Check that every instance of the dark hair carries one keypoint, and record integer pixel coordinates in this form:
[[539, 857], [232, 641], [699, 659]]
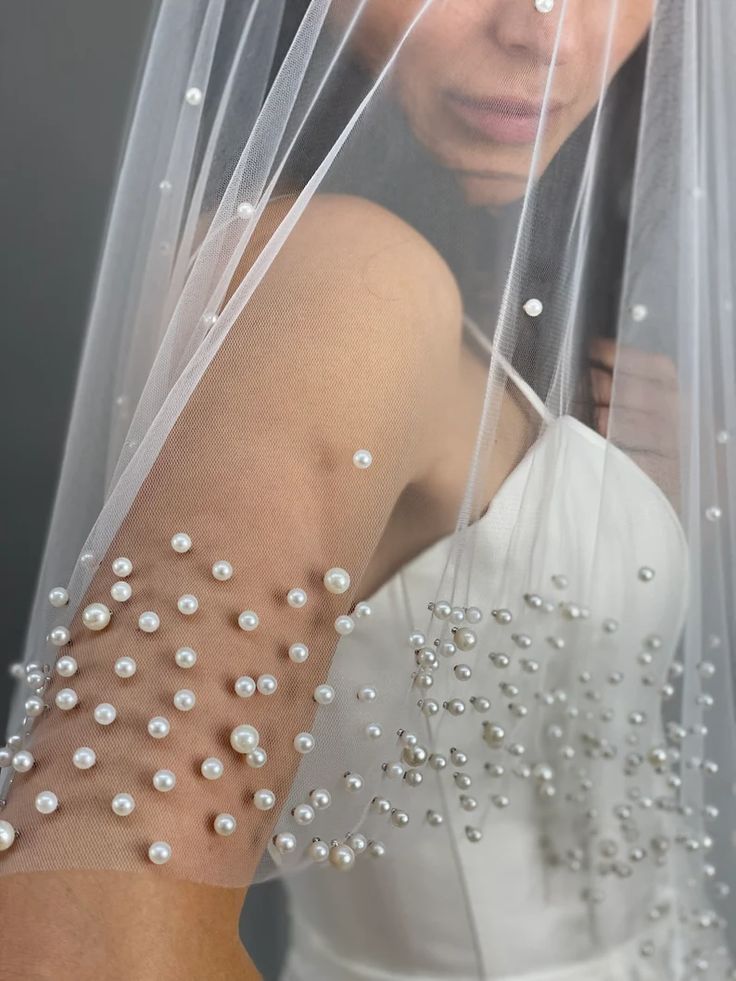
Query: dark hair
[[464, 234]]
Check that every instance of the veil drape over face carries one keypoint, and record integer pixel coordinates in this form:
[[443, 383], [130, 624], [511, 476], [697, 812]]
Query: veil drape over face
[[394, 532]]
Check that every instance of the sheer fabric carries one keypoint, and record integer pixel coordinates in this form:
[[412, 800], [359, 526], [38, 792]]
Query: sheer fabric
[[392, 550]]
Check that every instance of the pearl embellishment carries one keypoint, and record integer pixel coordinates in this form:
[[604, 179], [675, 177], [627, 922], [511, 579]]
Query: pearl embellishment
[[158, 727], [185, 657], [122, 567], [184, 700], [337, 580], [60, 636], [159, 852], [344, 625], [212, 768], [121, 591], [125, 667], [533, 307], [58, 596], [225, 824], [296, 598], [298, 653], [149, 622], [244, 739], [304, 742], [84, 758], [248, 620], [66, 699], [123, 804], [164, 780], [7, 835], [105, 713], [222, 570], [181, 542], [264, 799], [96, 616], [187, 604], [362, 459], [245, 686]]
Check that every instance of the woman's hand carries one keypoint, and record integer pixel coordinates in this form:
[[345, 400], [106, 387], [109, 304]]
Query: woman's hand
[[636, 406]]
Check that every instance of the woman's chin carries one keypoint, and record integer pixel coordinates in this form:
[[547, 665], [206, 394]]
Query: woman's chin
[[492, 191]]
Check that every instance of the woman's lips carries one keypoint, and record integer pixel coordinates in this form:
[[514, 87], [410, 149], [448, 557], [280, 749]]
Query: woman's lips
[[511, 121]]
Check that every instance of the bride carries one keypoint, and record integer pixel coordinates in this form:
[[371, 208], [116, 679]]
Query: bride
[[391, 552]]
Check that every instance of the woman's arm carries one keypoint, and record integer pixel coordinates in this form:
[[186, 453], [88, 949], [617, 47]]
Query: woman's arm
[[355, 324]]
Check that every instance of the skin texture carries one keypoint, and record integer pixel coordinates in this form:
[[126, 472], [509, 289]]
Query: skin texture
[[490, 49]]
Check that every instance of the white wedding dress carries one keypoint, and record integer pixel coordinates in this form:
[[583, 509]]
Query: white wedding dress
[[513, 904]]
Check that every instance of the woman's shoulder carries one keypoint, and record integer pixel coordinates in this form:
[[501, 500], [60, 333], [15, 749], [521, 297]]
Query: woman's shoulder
[[345, 249]]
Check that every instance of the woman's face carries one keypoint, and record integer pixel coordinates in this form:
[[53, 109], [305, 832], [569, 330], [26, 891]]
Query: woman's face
[[472, 75]]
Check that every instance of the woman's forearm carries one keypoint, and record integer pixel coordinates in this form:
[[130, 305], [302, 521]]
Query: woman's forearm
[[104, 925]]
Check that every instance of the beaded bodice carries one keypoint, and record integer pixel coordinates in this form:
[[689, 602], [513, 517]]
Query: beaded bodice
[[533, 802]]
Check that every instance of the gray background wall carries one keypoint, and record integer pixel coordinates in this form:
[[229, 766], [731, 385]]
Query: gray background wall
[[67, 73]]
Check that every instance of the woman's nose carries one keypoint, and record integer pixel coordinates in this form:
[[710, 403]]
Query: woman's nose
[[526, 29]]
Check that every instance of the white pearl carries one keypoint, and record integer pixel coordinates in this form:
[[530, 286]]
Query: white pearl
[[181, 542], [362, 459], [266, 684], [257, 758], [184, 700], [245, 686], [225, 824], [209, 319], [123, 804], [395, 771], [6, 756], [713, 513], [344, 625], [304, 742], [342, 857], [318, 851], [7, 835], [296, 598], [58, 596], [34, 706], [303, 814], [367, 693], [87, 559], [298, 653], [66, 666], [23, 761], [358, 843], [373, 730], [46, 802], [245, 209], [222, 570], [353, 782], [121, 591], [363, 610], [84, 758], [164, 780], [337, 580], [324, 694], [96, 616], [639, 312], [194, 96], [212, 768], [125, 667], [185, 657], [158, 727], [244, 738], [285, 842], [66, 699], [264, 799], [320, 798], [248, 620], [533, 307], [105, 713], [159, 852], [60, 636], [187, 604], [17, 671], [544, 6], [122, 567], [149, 621]]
